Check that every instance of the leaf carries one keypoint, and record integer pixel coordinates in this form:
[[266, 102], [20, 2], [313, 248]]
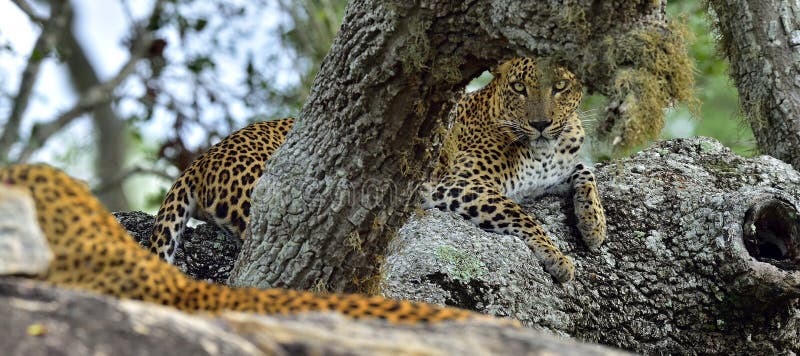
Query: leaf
[[36, 329], [200, 63]]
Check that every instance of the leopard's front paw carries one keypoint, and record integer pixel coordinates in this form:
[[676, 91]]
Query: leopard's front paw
[[591, 222], [560, 267], [592, 225]]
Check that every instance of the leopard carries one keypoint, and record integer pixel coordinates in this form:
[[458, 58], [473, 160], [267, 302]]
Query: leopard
[[216, 187], [94, 253], [517, 137]]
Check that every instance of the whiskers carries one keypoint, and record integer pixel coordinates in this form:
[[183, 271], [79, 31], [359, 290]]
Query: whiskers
[[588, 117], [516, 131]]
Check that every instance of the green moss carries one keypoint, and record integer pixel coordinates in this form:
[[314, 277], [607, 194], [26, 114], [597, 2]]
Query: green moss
[[462, 265], [707, 147]]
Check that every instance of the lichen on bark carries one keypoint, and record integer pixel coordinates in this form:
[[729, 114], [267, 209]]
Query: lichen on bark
[[650, 69], [760, 39], [701, 257], [677, 274]]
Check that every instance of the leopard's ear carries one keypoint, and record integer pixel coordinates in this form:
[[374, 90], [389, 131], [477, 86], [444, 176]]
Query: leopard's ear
[[502, 67]]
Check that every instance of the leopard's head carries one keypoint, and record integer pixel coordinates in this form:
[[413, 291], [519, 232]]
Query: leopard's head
[[535, 100]]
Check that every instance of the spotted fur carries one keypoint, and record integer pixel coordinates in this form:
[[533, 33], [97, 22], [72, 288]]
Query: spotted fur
[[519, 137], [94, 253], [217, 186]]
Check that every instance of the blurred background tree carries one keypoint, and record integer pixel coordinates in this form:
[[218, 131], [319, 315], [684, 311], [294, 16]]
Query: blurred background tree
[[188, 73]]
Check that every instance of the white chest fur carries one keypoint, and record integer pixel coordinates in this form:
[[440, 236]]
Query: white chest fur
[[541, 170]]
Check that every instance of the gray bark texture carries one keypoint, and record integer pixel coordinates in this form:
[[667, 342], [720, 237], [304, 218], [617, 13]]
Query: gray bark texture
[[701, 257], [334, 194], [762, 41], [42, 320]]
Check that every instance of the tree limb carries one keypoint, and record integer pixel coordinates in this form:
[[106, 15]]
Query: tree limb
[[123, 176], [54, 27], [702, 257], [28, 10], [99, 94], [761, 39], [333, 195]]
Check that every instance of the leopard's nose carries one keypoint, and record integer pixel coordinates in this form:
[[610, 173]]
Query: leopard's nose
[[541, 125]]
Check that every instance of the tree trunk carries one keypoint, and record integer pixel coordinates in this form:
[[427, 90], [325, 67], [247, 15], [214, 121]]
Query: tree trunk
[[108, 127], [335, 193], [761, 39]]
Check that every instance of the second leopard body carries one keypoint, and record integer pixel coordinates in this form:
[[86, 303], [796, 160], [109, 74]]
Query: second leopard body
[[93, 252], [518, 137]]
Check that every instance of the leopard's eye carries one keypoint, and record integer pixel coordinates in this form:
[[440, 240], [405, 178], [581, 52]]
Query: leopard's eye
[[518, 87], [560, 85]]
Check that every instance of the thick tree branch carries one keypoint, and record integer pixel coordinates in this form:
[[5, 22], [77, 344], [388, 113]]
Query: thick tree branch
[[761, 39], [92, 98], [334, 194], [702, 257]]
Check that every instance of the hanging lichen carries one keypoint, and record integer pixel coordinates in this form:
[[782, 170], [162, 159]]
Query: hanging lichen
[[651, 70]]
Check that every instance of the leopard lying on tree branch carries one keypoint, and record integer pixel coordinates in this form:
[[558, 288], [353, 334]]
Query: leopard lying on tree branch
[[517, 137]]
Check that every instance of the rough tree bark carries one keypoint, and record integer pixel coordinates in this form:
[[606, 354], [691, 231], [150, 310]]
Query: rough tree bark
[[702, 257], [761, 39], [334, 194]]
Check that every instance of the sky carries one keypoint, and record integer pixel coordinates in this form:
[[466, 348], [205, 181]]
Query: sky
[[102, 26]]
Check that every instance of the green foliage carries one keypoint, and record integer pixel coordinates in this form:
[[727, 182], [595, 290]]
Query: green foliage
[[308, 34], [719, 115]]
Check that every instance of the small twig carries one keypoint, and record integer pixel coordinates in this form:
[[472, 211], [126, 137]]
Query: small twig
[[53, 27], [126, 9], [28, 10], [96, 95], [119, 179]]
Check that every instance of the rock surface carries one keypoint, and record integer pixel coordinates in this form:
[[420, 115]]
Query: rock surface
[[23, 247]]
